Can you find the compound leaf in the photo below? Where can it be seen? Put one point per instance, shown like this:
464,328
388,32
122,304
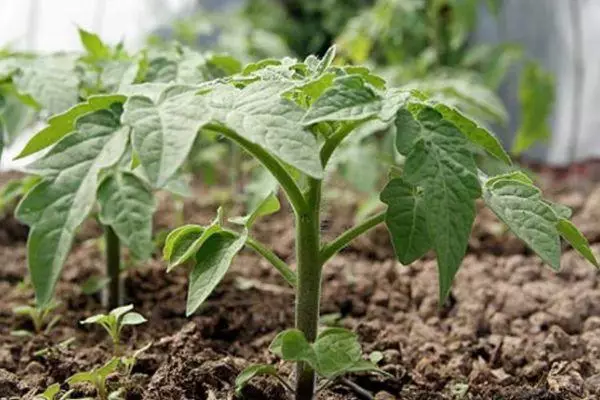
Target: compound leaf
441,163
127,205
55,207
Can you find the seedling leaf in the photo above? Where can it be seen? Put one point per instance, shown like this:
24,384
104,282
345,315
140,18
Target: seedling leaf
574,236
212,262
250,373
132,318
337,350
269,205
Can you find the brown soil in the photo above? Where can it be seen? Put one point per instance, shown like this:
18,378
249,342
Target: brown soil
512,328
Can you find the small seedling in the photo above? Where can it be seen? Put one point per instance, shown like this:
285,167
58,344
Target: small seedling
41,317
129,361
52,393
114,322
97,377
335,354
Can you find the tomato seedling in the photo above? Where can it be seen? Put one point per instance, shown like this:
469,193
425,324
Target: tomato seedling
115,321
97,378
53,393
41,317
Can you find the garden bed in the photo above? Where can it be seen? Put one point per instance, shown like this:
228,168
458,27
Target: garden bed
512,328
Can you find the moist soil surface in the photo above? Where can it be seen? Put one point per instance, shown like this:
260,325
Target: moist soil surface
511,329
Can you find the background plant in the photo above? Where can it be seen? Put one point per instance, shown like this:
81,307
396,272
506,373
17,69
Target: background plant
115,321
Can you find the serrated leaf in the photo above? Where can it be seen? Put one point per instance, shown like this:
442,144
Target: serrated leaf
476,133
326,61
56,207
260,115
268,205
164,131
520,206
250,373
572,235
132,318
406,219
61,125
51,81
127,205
348,99
441,163
337,350
93,44
291,345
408,130
212,262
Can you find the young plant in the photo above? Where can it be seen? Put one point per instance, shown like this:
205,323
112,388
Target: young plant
292,116
41,317
115,321
95,160
97,378
128,362
53,393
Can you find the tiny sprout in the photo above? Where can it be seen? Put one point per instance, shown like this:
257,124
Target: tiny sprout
52,392
129,361
114,321
41,317
97,377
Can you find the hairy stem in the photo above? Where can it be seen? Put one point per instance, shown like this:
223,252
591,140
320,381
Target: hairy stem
113,267
308,292
334,141
288,274
332,248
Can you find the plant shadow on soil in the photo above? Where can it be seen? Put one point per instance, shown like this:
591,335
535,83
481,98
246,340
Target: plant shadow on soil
512,329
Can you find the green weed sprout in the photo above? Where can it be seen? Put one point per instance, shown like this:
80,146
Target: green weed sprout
128,362
115,321
41,317
97,377
52,392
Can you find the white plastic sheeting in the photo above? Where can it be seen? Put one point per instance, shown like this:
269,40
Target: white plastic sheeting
564,36
51,25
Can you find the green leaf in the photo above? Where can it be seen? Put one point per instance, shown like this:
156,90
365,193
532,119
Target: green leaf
442,164
61,125
132,318
51,81
95,319
337,350
520,206
269,205
108,368
291,345
93,44
260,115
572,235
476,133
348,99
536,96
94,284
184,244
164,131
250,373
51,392
81,377
121,311
406,219
560,210
56,207
212,262
408,130
162,70
127,205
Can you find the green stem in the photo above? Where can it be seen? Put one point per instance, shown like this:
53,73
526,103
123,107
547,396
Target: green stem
113,267
289,186
308,292
334,141
332,248
288,274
